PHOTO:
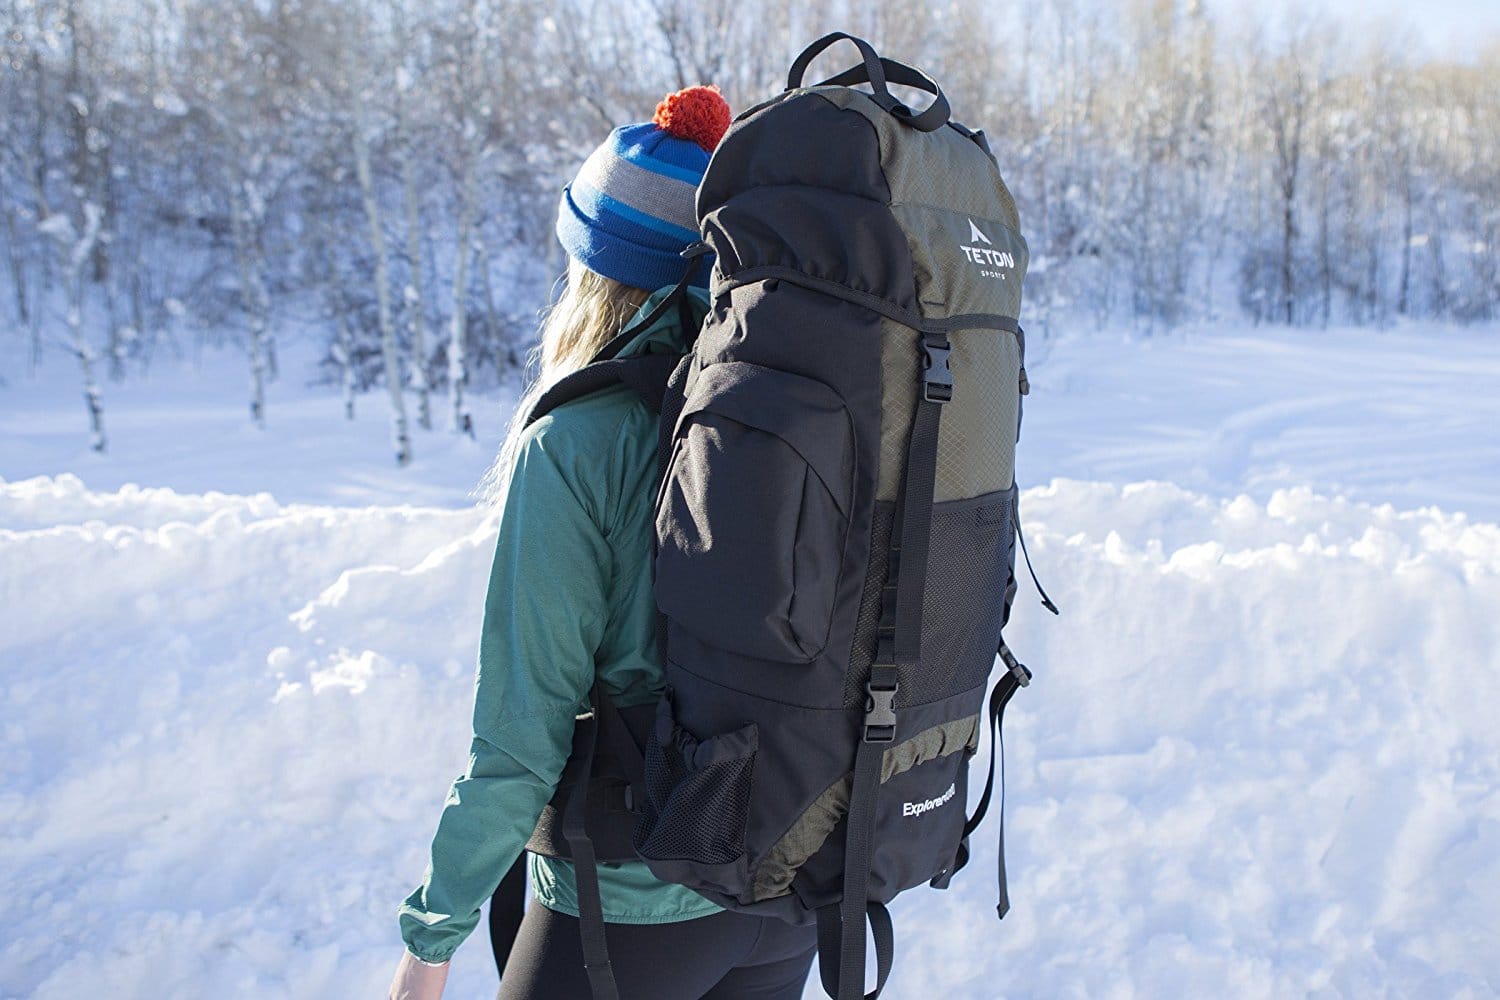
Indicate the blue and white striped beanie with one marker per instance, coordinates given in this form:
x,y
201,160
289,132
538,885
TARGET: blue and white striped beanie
x,y
630,211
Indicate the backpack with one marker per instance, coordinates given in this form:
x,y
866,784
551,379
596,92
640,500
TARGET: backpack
x,y
835,527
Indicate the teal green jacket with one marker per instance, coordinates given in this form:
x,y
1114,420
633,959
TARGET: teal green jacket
x,y
569,597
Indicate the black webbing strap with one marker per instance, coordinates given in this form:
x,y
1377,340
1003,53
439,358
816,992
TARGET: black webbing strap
x,y
1016,676
685,321
877,732
616,787
672,403
507,907
899,647
877,72
585,867
916,498
929,119
976,136
621,742
647,374
1046,601
830,933
617,343
590,378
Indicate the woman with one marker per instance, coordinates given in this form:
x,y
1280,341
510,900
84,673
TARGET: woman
x,y
570,599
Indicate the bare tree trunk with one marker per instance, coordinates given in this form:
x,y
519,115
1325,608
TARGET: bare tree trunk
x,y
345,354
138,312
27,168
91,395
416,314
17,266
400,436
486,285
1439,215
8,112
1286,118
1216,225
248,263
416,307
469,149
1403,298
1288,237
1325,263
76,249
34,153
458,373
273,368
119,338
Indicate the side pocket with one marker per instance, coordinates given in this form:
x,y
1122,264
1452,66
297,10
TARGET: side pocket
x,y
754,512
964,600
692,825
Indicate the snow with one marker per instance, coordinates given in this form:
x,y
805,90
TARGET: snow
x,y
185,425
170,103
1406,417
1258,758
58,226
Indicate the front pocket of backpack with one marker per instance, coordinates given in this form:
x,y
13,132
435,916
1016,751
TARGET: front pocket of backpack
x,y
920,814
754,512
692,824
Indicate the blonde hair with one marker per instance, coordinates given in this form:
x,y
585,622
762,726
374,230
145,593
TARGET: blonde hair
x,y
590,311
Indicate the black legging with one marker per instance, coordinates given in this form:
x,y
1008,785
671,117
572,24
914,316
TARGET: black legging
x,y
726,956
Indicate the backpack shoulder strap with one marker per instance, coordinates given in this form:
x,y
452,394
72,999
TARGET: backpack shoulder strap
x,y
645,373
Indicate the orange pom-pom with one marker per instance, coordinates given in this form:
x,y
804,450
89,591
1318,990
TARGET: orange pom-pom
x,y
697,113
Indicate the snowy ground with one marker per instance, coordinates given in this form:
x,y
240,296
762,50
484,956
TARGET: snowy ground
x,y
1259,759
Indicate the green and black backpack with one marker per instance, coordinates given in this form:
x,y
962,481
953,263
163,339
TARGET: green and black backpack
x,y
835,527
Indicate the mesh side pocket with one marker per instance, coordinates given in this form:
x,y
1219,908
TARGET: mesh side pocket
x,y
702,817
697,798
969,563
970,551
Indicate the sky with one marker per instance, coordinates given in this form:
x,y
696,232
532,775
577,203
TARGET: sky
x,y
1445,28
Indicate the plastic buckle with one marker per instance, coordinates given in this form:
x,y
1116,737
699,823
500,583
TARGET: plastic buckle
x,y
937,377
1018,669
880,713
1022,673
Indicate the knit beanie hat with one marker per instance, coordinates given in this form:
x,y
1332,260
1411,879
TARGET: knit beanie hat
x,y
629,213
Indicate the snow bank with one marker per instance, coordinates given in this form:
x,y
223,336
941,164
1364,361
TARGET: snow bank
x,y
1383,416
1258,758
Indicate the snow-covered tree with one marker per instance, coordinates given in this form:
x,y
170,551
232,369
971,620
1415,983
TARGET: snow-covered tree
x,y
360,76
389,171
76,245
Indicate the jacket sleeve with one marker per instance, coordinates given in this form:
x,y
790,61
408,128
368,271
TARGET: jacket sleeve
x,y
544,618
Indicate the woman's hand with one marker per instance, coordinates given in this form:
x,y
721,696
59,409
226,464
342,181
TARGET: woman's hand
x,y
418,980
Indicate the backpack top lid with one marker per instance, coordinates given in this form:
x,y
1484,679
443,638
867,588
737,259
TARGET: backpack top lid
x,y
781,186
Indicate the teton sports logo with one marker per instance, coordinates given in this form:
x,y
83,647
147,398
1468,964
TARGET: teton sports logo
x,y
989,259
927,805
